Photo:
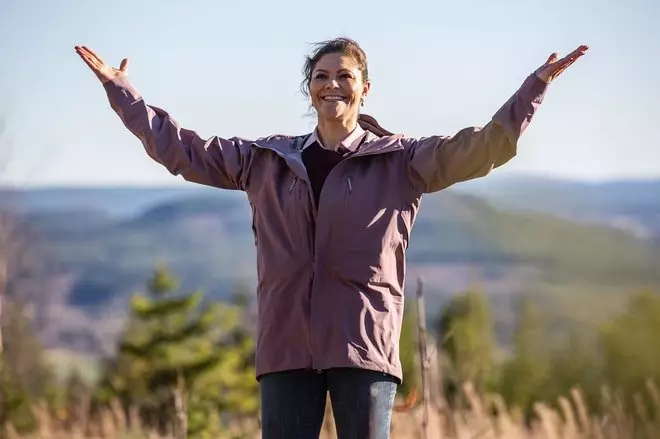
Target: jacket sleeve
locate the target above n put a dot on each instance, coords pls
(214, 161)
(437, 162)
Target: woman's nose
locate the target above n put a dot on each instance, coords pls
(332, 84)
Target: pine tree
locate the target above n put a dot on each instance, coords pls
(629, 344)
(180, 359)
(465, 337)
(525, 373)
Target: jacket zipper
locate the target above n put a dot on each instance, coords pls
(254, 228)
(349, 184)
(293, 184)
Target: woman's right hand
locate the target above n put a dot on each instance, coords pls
(102, 71)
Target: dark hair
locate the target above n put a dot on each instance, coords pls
(345, 46)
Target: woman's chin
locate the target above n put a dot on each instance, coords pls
(332, 115)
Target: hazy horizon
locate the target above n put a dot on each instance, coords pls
(177, 183)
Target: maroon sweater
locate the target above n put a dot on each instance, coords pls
(320, 161)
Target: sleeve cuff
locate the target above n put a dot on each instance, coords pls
(120, 91)
(533, 89)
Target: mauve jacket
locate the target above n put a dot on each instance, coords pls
(330, 277)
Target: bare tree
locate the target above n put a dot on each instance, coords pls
(5, 252)
(8, 248)
(5, 233)
(23, 272)
(11, 256)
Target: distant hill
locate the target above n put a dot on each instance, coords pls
(114, 201)
(98, 253)
(629, 204)
(213, 231)
(612, 202)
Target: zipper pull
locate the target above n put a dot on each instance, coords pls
(293, 184)
(350, 185)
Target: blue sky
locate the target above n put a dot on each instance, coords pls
(233, 68)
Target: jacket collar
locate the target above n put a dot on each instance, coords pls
(350, 142)
(376, 140)
(375, 144)
(369, 123)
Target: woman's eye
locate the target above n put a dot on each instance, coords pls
(320, 76)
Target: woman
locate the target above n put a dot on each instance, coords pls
(332, 215)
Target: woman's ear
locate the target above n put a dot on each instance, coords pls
(365, 89)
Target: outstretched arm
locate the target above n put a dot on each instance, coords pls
(437, 162)
(215, 161)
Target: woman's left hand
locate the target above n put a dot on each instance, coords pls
(554, 67)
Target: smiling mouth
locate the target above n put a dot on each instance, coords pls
(333, 98)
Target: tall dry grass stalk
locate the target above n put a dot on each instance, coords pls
(180, 408)
(424, 360)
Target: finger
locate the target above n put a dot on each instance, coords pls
(582, 49)
(575, 54)
(91, 53)
(90, 60)
(552, 58)
(124, 65)
(92, 64)
(561, 68)
(564, 66)
(84, 55)
(569, 59)
(94, 55)
(84, 50)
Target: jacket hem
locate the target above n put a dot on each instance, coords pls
(364, 365)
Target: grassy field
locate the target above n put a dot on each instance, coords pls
(485, 418)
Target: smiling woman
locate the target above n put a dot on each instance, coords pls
(332, 215)
(336, 79)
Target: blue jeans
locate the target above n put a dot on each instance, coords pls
(293, 403)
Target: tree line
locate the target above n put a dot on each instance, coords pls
(183, 365)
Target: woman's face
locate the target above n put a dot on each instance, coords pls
(337, 87)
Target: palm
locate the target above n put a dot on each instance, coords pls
(553, 67)
(102, 71)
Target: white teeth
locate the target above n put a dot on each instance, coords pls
(333, 98)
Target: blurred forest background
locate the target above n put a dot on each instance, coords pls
(139, 302)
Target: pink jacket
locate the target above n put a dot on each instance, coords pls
(330, 277)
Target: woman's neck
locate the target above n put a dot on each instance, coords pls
(333, 132)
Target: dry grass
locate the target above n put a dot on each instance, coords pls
(485, 416)
(571, 420)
